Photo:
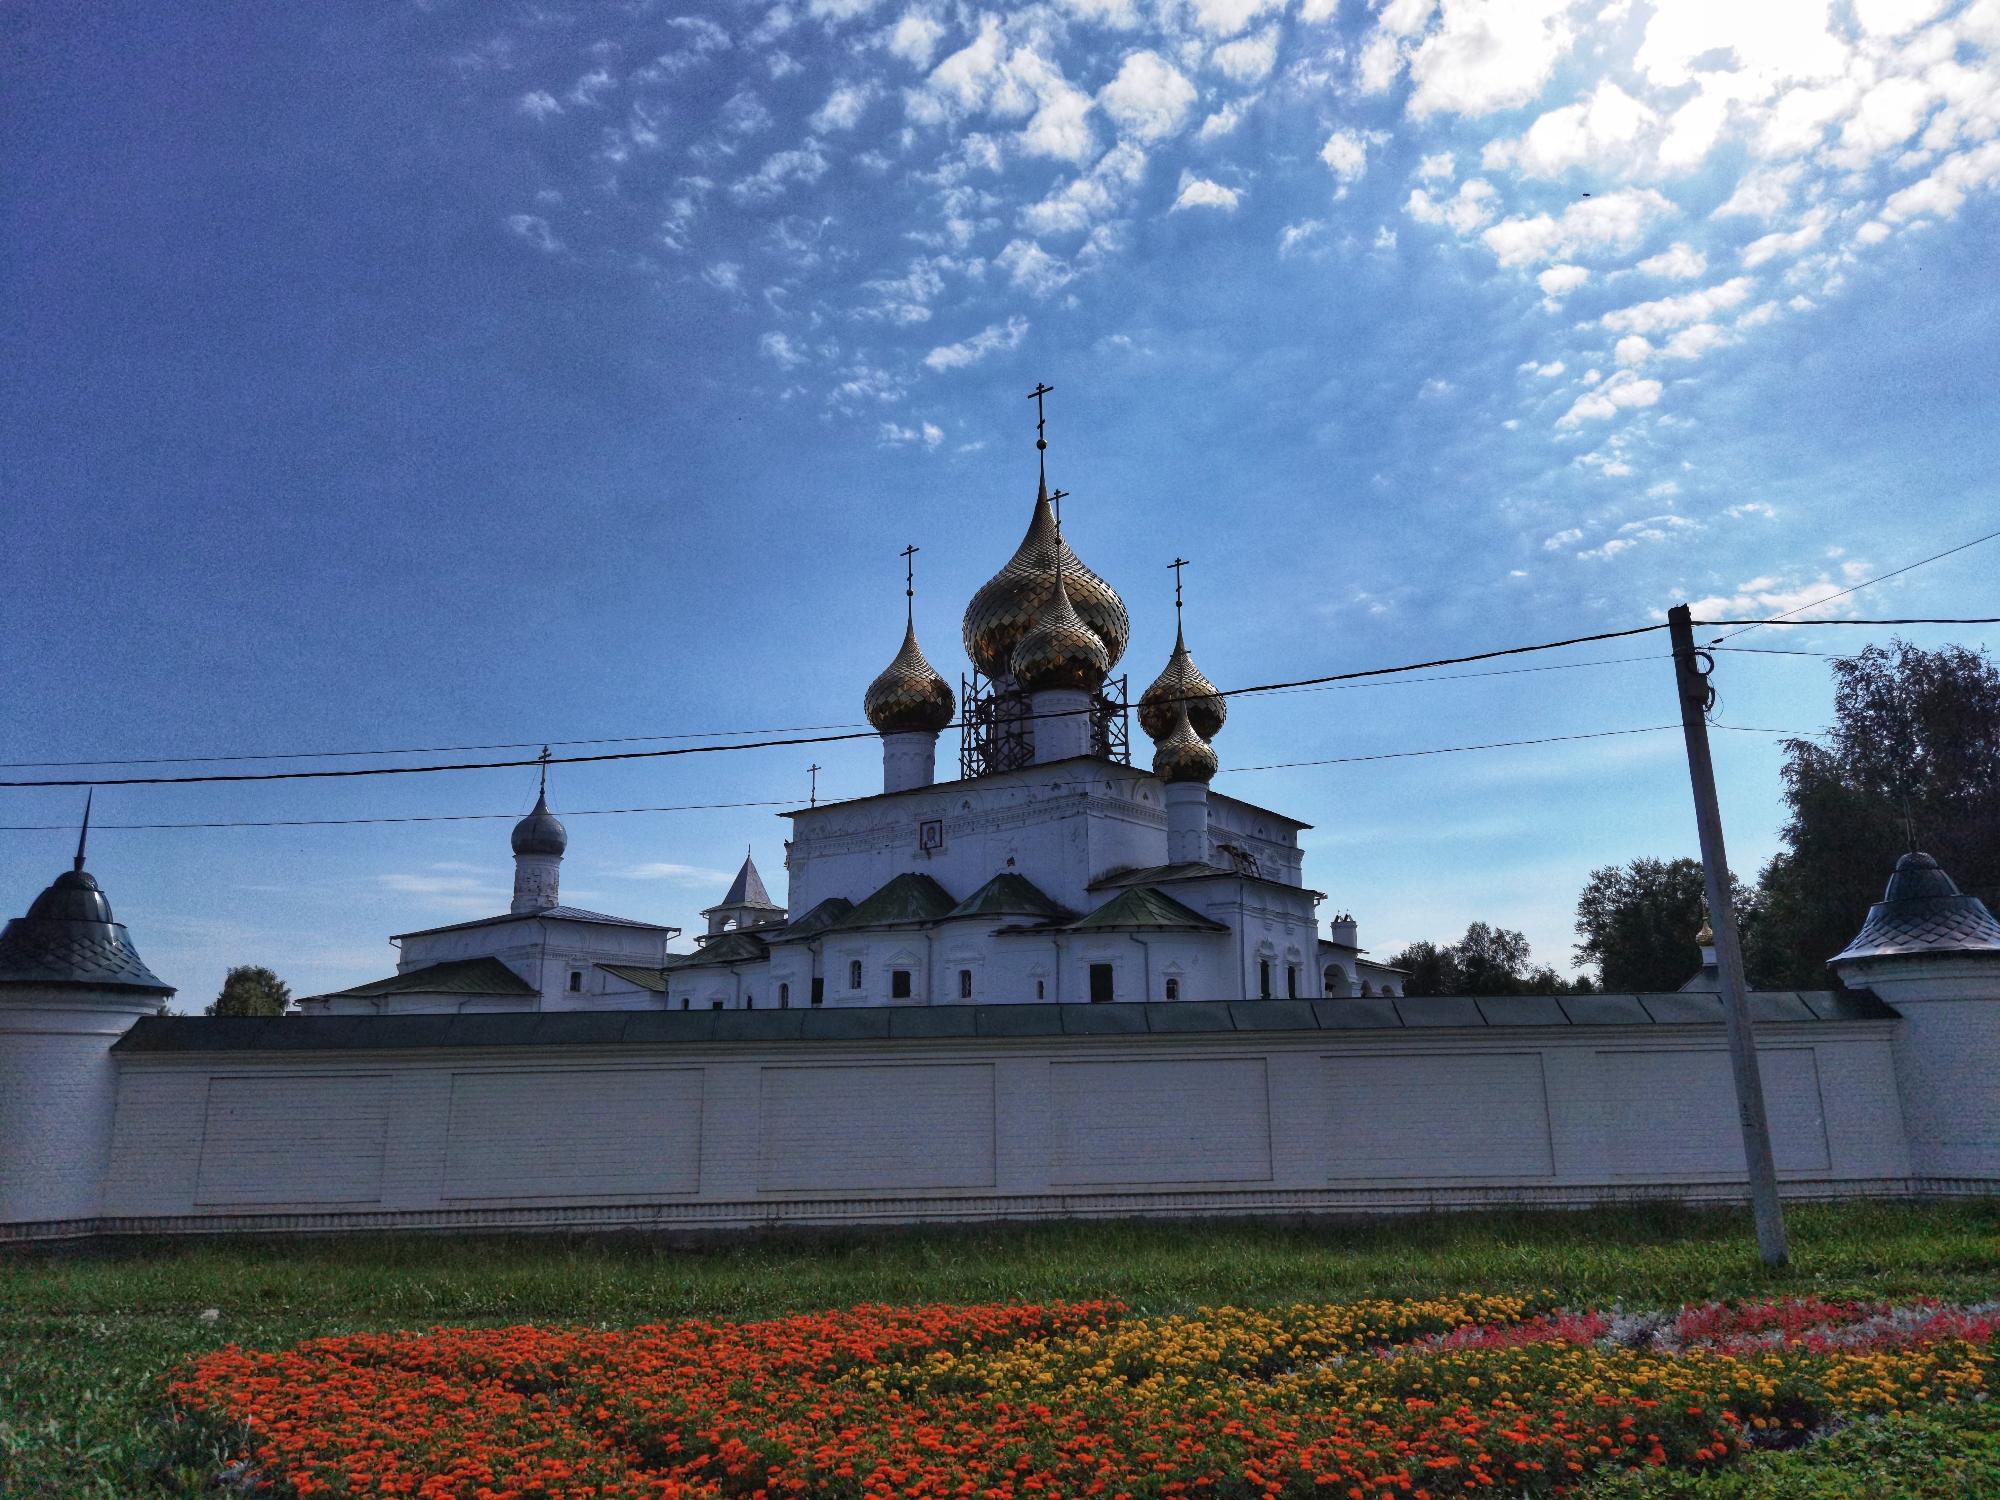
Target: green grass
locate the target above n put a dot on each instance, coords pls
(85, 1336)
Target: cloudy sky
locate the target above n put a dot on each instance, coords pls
(441, 375)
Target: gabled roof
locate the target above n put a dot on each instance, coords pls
(1143, 908)
(553, 913)
(813, 923)
(645, 977)
(730, 948)
(1188, 870)
(459, 976)
(747, 889)
(1009, 895)
(909, 900)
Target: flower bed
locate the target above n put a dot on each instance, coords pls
(1459, 1396)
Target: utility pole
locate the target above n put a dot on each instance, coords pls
(1691, 669)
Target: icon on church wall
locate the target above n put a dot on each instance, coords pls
(930, 835)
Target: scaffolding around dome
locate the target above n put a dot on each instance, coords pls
(995, 730)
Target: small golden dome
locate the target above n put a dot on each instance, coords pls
(1706, 937)
(1182, 679)
(1008, 604)
(909, 695)
(1184, 755)
(1061, 651)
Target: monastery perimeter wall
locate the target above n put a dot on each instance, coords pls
(666, 1120)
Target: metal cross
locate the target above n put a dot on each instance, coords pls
(909, 556)
(542, 792)
(1176, 565)
(1041, 424)
(1056, 500)
(813, 771)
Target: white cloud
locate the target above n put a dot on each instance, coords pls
(971, 351)
(1295, 239)
(1225, 120)
(1199, 192)
(1033, 269)
(1556, 543)
(744, 113)
(1434, 167)
(1092, 197)
(1770, 246)
(1894, 17)
(1944, 191)
(843, 108)
(1751, 508)
(1118, 15)
(1346, 156)
(535, 230)
(1762, 195)
(1227, 17)
(1385, 238)
(1560, 281)
(1612, 222)
(1603, 130)
(539, 103)
(1468, 209)
(597, 81)
(780, 347)
(914, 38)
(1672, 312)
(724, 276)
(804, 163)
(1485, 55)
(1692, 343)
(695, 875)
(1622, 390)
(838, 10)
(1678, 262)
(1248, 59)
(1548, 371)
(1149, 100)
(894, 436)
(1886, 116)
(1770, 595)
(1633, 349)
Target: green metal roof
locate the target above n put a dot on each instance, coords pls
(730, 948)
(906, 901)
(1143, 907)
(1009, 895)
(814, 922)
(459, 976)
(1169, 874)
(647, 978)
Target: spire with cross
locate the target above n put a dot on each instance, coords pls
(813, 771)
(1041, 428)
(909, 556)
(83, 833)
(542, 787)
(1175, 566)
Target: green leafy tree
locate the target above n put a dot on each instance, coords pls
(1488, 960)
(251, 990)
(1638, 922)
(1914, 755)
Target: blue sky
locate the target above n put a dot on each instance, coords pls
(392, 376)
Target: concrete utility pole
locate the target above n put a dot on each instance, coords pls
(1691, 684)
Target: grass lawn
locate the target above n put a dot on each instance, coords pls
(86, 1335)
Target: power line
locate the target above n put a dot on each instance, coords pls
(1865, 583)
(568, 812)
(1551, 739)
(1815, 624)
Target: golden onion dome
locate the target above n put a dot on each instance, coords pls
(1061, 650)
(909, 696)
(1706, 937)
(1182, 680)
(1008, 604)
(1184, 755)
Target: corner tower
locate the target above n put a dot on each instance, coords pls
(71, 984)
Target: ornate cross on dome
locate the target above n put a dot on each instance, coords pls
(1175, 566)
(1041, 428)
(813, 797)
(542, 790)
(909, 556)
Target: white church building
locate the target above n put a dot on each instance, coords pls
(1054, 984)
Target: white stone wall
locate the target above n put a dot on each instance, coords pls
(719, 1134)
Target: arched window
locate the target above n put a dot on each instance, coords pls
(1291, 981)
(749, 1001)
(1173, 989)
(784, 997)
(854, 974)
(1264, 978)
(1367, 988)
(965, 984)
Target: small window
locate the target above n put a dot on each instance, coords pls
(1100, 983)
(854, 974)
(1389, 991)
(819, 990)
(1264, 978)
(784, 997)
(575, 980)
(715, 1005)
(1291, 981)
(965, 984)
(749, 1001)
(1173, 989)
(684, 1002)
(899, 984)
(1041, 989)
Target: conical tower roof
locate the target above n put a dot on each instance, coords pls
(1181, 679)
(1008, 605)
(747, 889)
(69, 938)
(909, 695)
(1923, 911)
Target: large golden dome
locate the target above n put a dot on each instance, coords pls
(1182, 680)
(909, 695)
(1184, 755)
(1009, 603)
(1061, 650)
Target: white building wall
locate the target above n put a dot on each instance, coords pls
(717, 1134)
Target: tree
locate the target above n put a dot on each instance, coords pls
(251, 990)
(1486, 961)
(1913, 759)
(1638, 922)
